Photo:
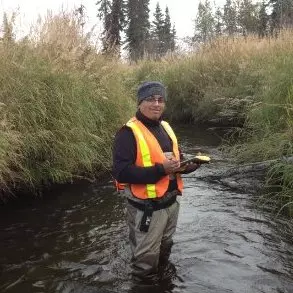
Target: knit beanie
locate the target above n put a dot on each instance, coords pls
(150, 88)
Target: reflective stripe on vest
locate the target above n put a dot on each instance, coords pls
(146, 158)
(171, 133)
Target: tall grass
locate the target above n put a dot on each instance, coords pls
(211, 86)
(61, 103)
(268, 131)
(238, 82)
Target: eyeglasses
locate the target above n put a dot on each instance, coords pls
(153, 99)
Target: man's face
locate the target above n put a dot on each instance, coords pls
(152, 107)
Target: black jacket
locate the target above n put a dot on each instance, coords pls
(124, 155)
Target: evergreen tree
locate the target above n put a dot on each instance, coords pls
(247, 17)
(282, 14)
(287, 13)
(173, 39)
(144, 12)
(218, 22)
(81, 15)
(230, 17)
(132, 29)
(158, 31)
(8, 24)
(275, 17)
(117, 20)
(113, 15)
(262, 21)
(104, 10)
(137, 32)
(204, 23)
(167, 31)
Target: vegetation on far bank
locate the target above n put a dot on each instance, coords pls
(62, 102)
(244, 83)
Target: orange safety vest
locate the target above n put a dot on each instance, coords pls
(149, 152)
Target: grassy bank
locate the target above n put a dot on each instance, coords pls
(243, 83)
(268, 131)
(62, 102)
(211, 86)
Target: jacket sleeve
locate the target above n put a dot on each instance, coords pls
(124, 157)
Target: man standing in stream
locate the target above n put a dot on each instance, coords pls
(146, 159)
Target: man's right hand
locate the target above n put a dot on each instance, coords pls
(171, 165)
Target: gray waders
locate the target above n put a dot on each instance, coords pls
(151, 226)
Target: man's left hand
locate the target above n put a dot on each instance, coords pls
(188, 168)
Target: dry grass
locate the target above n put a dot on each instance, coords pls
(61, 102)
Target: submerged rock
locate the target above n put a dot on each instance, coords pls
(247, 178)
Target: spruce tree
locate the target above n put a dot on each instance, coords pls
(204, 23)
(80, 12)
(104, 10)
(113, 15)
(163, 36)
(8, 24)
(131, 31)
(262, 21)
(230, 17)
(167, 31)
(117, 19)
(173, 39)
(218, 22)
(158, 31)
(144, 12)
(282, 14)
(137, 31)
(247, 17)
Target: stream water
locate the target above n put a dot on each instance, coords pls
(75, 239)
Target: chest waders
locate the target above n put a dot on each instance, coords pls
(151, 205)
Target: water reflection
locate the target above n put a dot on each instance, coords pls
(76, 240)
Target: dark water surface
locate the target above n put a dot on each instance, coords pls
(75, 240)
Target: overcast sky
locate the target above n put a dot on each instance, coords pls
(183, 12)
